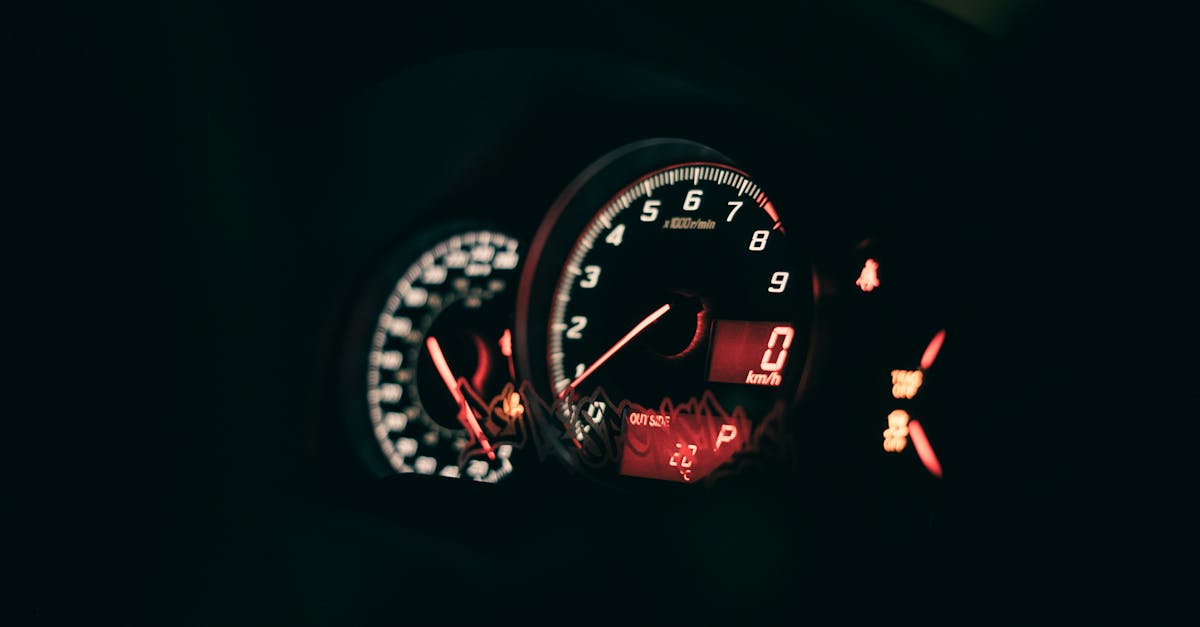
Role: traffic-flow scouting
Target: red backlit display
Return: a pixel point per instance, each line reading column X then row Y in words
column 680, row 447
column 751, row 353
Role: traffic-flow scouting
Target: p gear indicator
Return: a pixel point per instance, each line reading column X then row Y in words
column 683, row 443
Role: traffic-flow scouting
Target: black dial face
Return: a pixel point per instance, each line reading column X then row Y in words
column 701, row 239
column 680, row 317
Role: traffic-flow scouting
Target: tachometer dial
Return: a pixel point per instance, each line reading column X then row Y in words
column 441, row 339
column 677, row 305
column 701, row 245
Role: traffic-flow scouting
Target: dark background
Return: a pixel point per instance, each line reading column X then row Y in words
column 172, row 267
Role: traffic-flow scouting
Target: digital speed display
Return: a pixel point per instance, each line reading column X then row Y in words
column 751, row 353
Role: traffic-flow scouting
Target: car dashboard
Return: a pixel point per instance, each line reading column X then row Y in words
column 685, row 310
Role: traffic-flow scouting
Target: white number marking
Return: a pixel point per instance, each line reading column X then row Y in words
column 415, row 297
column 575, row 331
column 759, row 240
column 591, row 278
column 778, row 282
column 434, row 275
column 616, row 236
column 650, row 210
column 506, row 260
column 391, row 360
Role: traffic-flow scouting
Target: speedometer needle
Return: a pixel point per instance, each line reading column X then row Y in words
column 641, row 326
column 465, row 414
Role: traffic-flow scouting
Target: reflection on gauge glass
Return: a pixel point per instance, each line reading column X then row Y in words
column 443, row 334
column 678, row 305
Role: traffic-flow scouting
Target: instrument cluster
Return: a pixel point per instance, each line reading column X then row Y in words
column 646, row 302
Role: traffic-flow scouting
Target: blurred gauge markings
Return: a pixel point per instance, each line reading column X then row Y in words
column 901, row 426
column 442, row 329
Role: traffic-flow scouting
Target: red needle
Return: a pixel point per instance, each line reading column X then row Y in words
column 924, row 450
column 931, row 351
column 465, row 414
column 641, row 326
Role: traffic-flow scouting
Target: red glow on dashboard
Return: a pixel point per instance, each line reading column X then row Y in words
column 483, row 363
column 924, row 449
column 750, row 353
column 466, row 415
column 931, row 351
column 770, row 209
column 761, row 201
column 680, row 447
column 443, row 368
column 868, row 278
column 506, row 343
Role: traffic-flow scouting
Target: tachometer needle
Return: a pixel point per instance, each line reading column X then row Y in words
column 466, row 415
column 641, row 326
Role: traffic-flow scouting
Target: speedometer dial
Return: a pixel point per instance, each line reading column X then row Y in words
column 440, row 343
column 680, row 316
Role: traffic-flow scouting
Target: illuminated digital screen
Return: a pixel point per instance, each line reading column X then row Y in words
column 679, row 447
column 750, row 353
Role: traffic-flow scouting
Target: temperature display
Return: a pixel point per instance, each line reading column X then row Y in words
column 680, row 447
column 751, row 353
